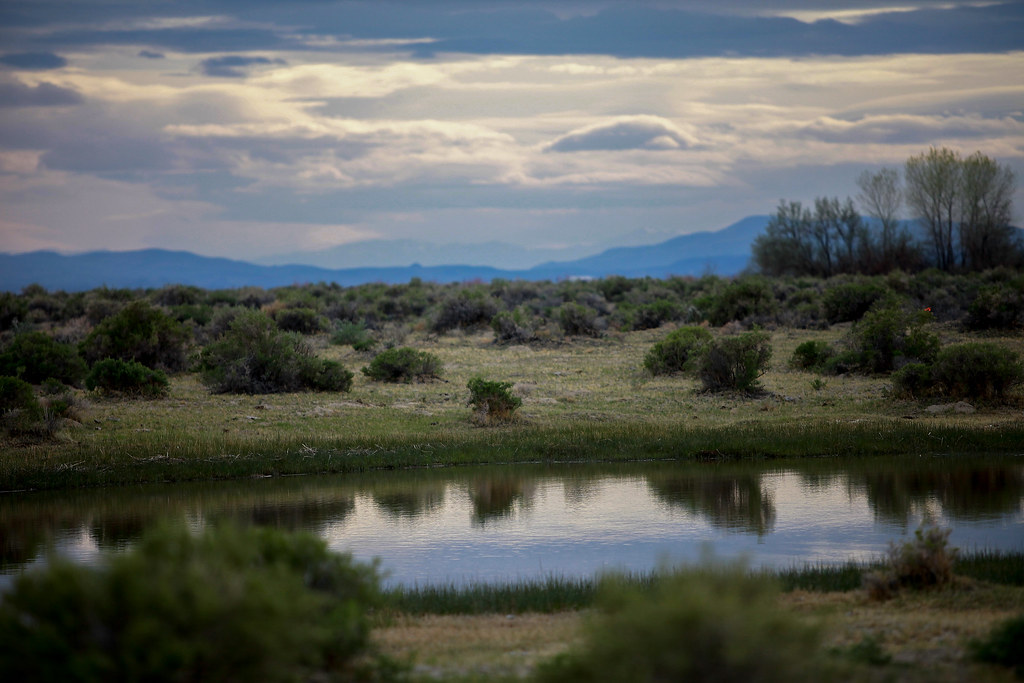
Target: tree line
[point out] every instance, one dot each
(963, 209)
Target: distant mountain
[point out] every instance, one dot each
(725, 252)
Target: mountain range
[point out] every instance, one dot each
(723, 252)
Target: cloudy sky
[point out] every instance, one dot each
(248, 128)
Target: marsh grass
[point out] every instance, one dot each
(588, 400)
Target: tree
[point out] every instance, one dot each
(986, 208)
(881, 197)
(933, 186)
(786, 248)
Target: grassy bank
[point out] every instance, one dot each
(588, 400)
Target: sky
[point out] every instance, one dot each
(255, 128)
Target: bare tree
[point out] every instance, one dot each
(986, 209)
(933, 187)
(881, 197)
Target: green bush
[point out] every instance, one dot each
(116, 376)
(513, 327)
(1004, 645)
(655, 314)
(741, 299)
(888, 336)
(226, 605)
(924, 562)
(578, 320)
(13, 310)
(997, 307)
(35, 357)
(254, 357)
(141, 333)
(465, 310)
(20, 411)
(913, 380)
(736, 363)
(811, 354)
(301, 320)
(403, 364)
(847, 301)
(977, 370)
(492, 401)
(352, 334)
(710, 624)
(678, 352)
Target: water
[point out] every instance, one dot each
(497, 524)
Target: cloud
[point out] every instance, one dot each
(150, 54)
(626, 132)
(232, 66)
(17, 94)
(909, 129)
(33, 61)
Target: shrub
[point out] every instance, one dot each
(513, 327)
(1004, 645)
(578, 320)
(116, 376)
(848, 301)
(888, 336)
(492, 401)
(301, 320)
(140, 333)
(913, 380)
(20, 411)
(736, 362)
(748, 297)
(464, 310)
(654, 314)
(403, 364)
(353, 334)
(677, 352)
(226, 605)
(924, 562)
(13, 310)
(709, 624)
(254, 357)
(811, 354)
(999, 306)
(977, 370)
(35, 357)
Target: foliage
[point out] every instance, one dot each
(13, 309)
(464, 310)
(254, 357)
(116, 376)
(301, 320)
(888, 336)
(403, 364)
(708, 624)
(35, 356)
(926, 561)
(492, 401)
(997, 307)
(352, 334)
(227, 605)
(1004, 645)
(20, 411)
(740, 299)
(578, 320)
(850, 300)
(678, 352)
(513, 327)
(736, 363)
(977, 370)
(141, 333)
(811, 354)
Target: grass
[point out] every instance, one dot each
(585, 400)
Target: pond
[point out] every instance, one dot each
(459, 525)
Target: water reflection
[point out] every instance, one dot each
(728, 501)
(487, 522)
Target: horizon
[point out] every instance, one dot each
(554, 127)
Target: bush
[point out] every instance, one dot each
(578, 320)
(35, 357)
(20, 411)
(254, 357)
(465, 310)
(492, 401)
(913, 380)
(710, 624)
(811, 354)
(924, 562)
(678, 352)
(354, 335)
(227, 605)
(301, 320)
(1004, 646)
(977, 370)
(513, 327)
(140, 333)
(654, 314)
(741, 299)
(403, 365)
(736, 363)
(116, 376)
(887, 337)
(849, 301)
(997, 307)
